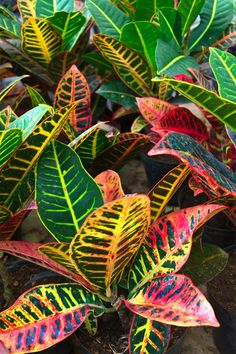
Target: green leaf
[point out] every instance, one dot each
(223, 65)
(69, 25)
(189, 10)
(5, 214)
(148, 336)
(27, 8)
(117, 92)
(15, 188)
(40, 40)
(10, 27)
(170, 62)
(214, 19)
(129, 65)
(47, 8)
(7, 89)
(60, 64)
(142, 36)
(35, 96)
(146, 9)
(9, 142)
(108, 17)
(170, 25)
(219, 107)
(97, 60)
(30, 119)
(7, 116)
(65, 192)
(45, 315)
(109, 238)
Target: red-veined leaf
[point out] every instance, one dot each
(45, 315)
(173, 299)
(110, 185)
(153, 108)
(73, 88)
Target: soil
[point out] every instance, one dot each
(223, 287)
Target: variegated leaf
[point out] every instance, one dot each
(4, 214)
(226, 42)
(162, 192)
(129, 65)
(9, 27)
(73, 88)
(9, 227)
(90, 324)
(47, 8)
(9, 142)
(27, 8)
(110, 185)
(35, 96)
(109, 238)
(29, 251)
(214, 175)
(168, 243)
(8, 88)
(60, 64)
(14, 187)
(148, 336)
(138, 125)
(65, 192)
(153, 108)
(174, 300)
(40, 41)
(45, 315)
(7, 116)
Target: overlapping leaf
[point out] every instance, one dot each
(165, 189)
(9, 142)
(47, 8)
(14, 187)
(129, 65)
(4, 214)
(9, 27)
(45, 315)
(126, 146)
(153, 108)
(7, 115)
(108, 17)
(170, 25)
(226, 42)
(40, 41)
(60, 64)
(168, 244)
(109, 238)
(148, 336)
(35, 96)
(117, 92)
(7, 89)
(65, 192)
(214, 175)
(27, 8)
(147, 9)
(172, 299)
(219, 107)
(189, 11)
(73, 88)
(110, 185)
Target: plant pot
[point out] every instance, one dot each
(224, 305)
(156, 168)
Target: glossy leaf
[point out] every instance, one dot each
(148, 336)
(29, 251)
(45, 315)
(173, 299)
(27, 8)
(9, 142)
(223, 65)
(153, 108)
(170, 25)
(9, 227)
(182, 120)
(40, 41)
(189, 11)
(60, 64)
(215, 16)
(19, 56)
(126, 146)
(10, 27)
(110, 184)
(170, 62)
(14, 189)
(69, 25)
(4, 214)
(65, 192)
(219, 107)
(8, 88)
(129, 65)
(7, 116)
(46, 8)
(138, 125)
(165, 189)
(168, 243)
(127, 6)
(73, 88)
(28, 121)
(108, 17)
(35, 96)
(226, 42)
(213, 174)
(117, 92)
(146, 9)
(142, 37)
(109, 238)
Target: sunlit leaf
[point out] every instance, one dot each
(110, 185)
(9, 142)
(46, 8)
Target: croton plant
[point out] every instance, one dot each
(105, 239)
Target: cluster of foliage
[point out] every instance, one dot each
(115, 250)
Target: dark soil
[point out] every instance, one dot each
(223, 287)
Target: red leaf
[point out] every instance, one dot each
(110, 185)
